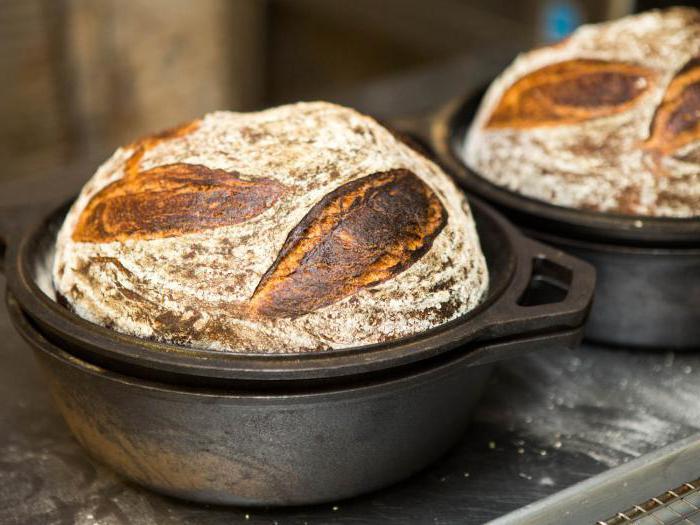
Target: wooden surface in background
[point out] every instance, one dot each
(84, 76)
(32, 131)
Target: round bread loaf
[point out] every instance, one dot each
(606, 120)
(304, 227)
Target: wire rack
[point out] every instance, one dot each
(680, 506)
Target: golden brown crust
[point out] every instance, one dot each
(676, 121)
(173, 200)
(630, 148)
(357, 236)
(569, 92)
(195, 289)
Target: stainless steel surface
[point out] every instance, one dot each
(675, 506)
(650, 489)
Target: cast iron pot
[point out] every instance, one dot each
(287, 429)
(648, 285)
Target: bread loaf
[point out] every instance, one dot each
(300, 228)
(607, 120)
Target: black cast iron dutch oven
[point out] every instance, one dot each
(286, 429)
(648, 268)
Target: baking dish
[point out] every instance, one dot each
(648, 285)
(287, 429)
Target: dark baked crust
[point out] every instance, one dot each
(569, 92)
(676, 121)
(359, 235)
(173, 199)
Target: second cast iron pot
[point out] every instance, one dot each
(648, 268)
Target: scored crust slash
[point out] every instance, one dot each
(174, 199)
(359, 235)
(676, 122)
(571, 91)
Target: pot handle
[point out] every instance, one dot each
(551, 291)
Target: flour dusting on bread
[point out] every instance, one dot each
(300, 228)
(607, 120)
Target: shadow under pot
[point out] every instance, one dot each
(648, 285)
(288, 429)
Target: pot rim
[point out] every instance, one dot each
(386, 386)
(498, 316)
(612, 248)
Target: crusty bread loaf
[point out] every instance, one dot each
(304, 227)
(606, 120)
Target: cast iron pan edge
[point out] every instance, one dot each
(29, 332)
(502, 317)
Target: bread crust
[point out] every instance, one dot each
(301, 228)
(606, 120)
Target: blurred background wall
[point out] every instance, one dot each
(80, 77)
